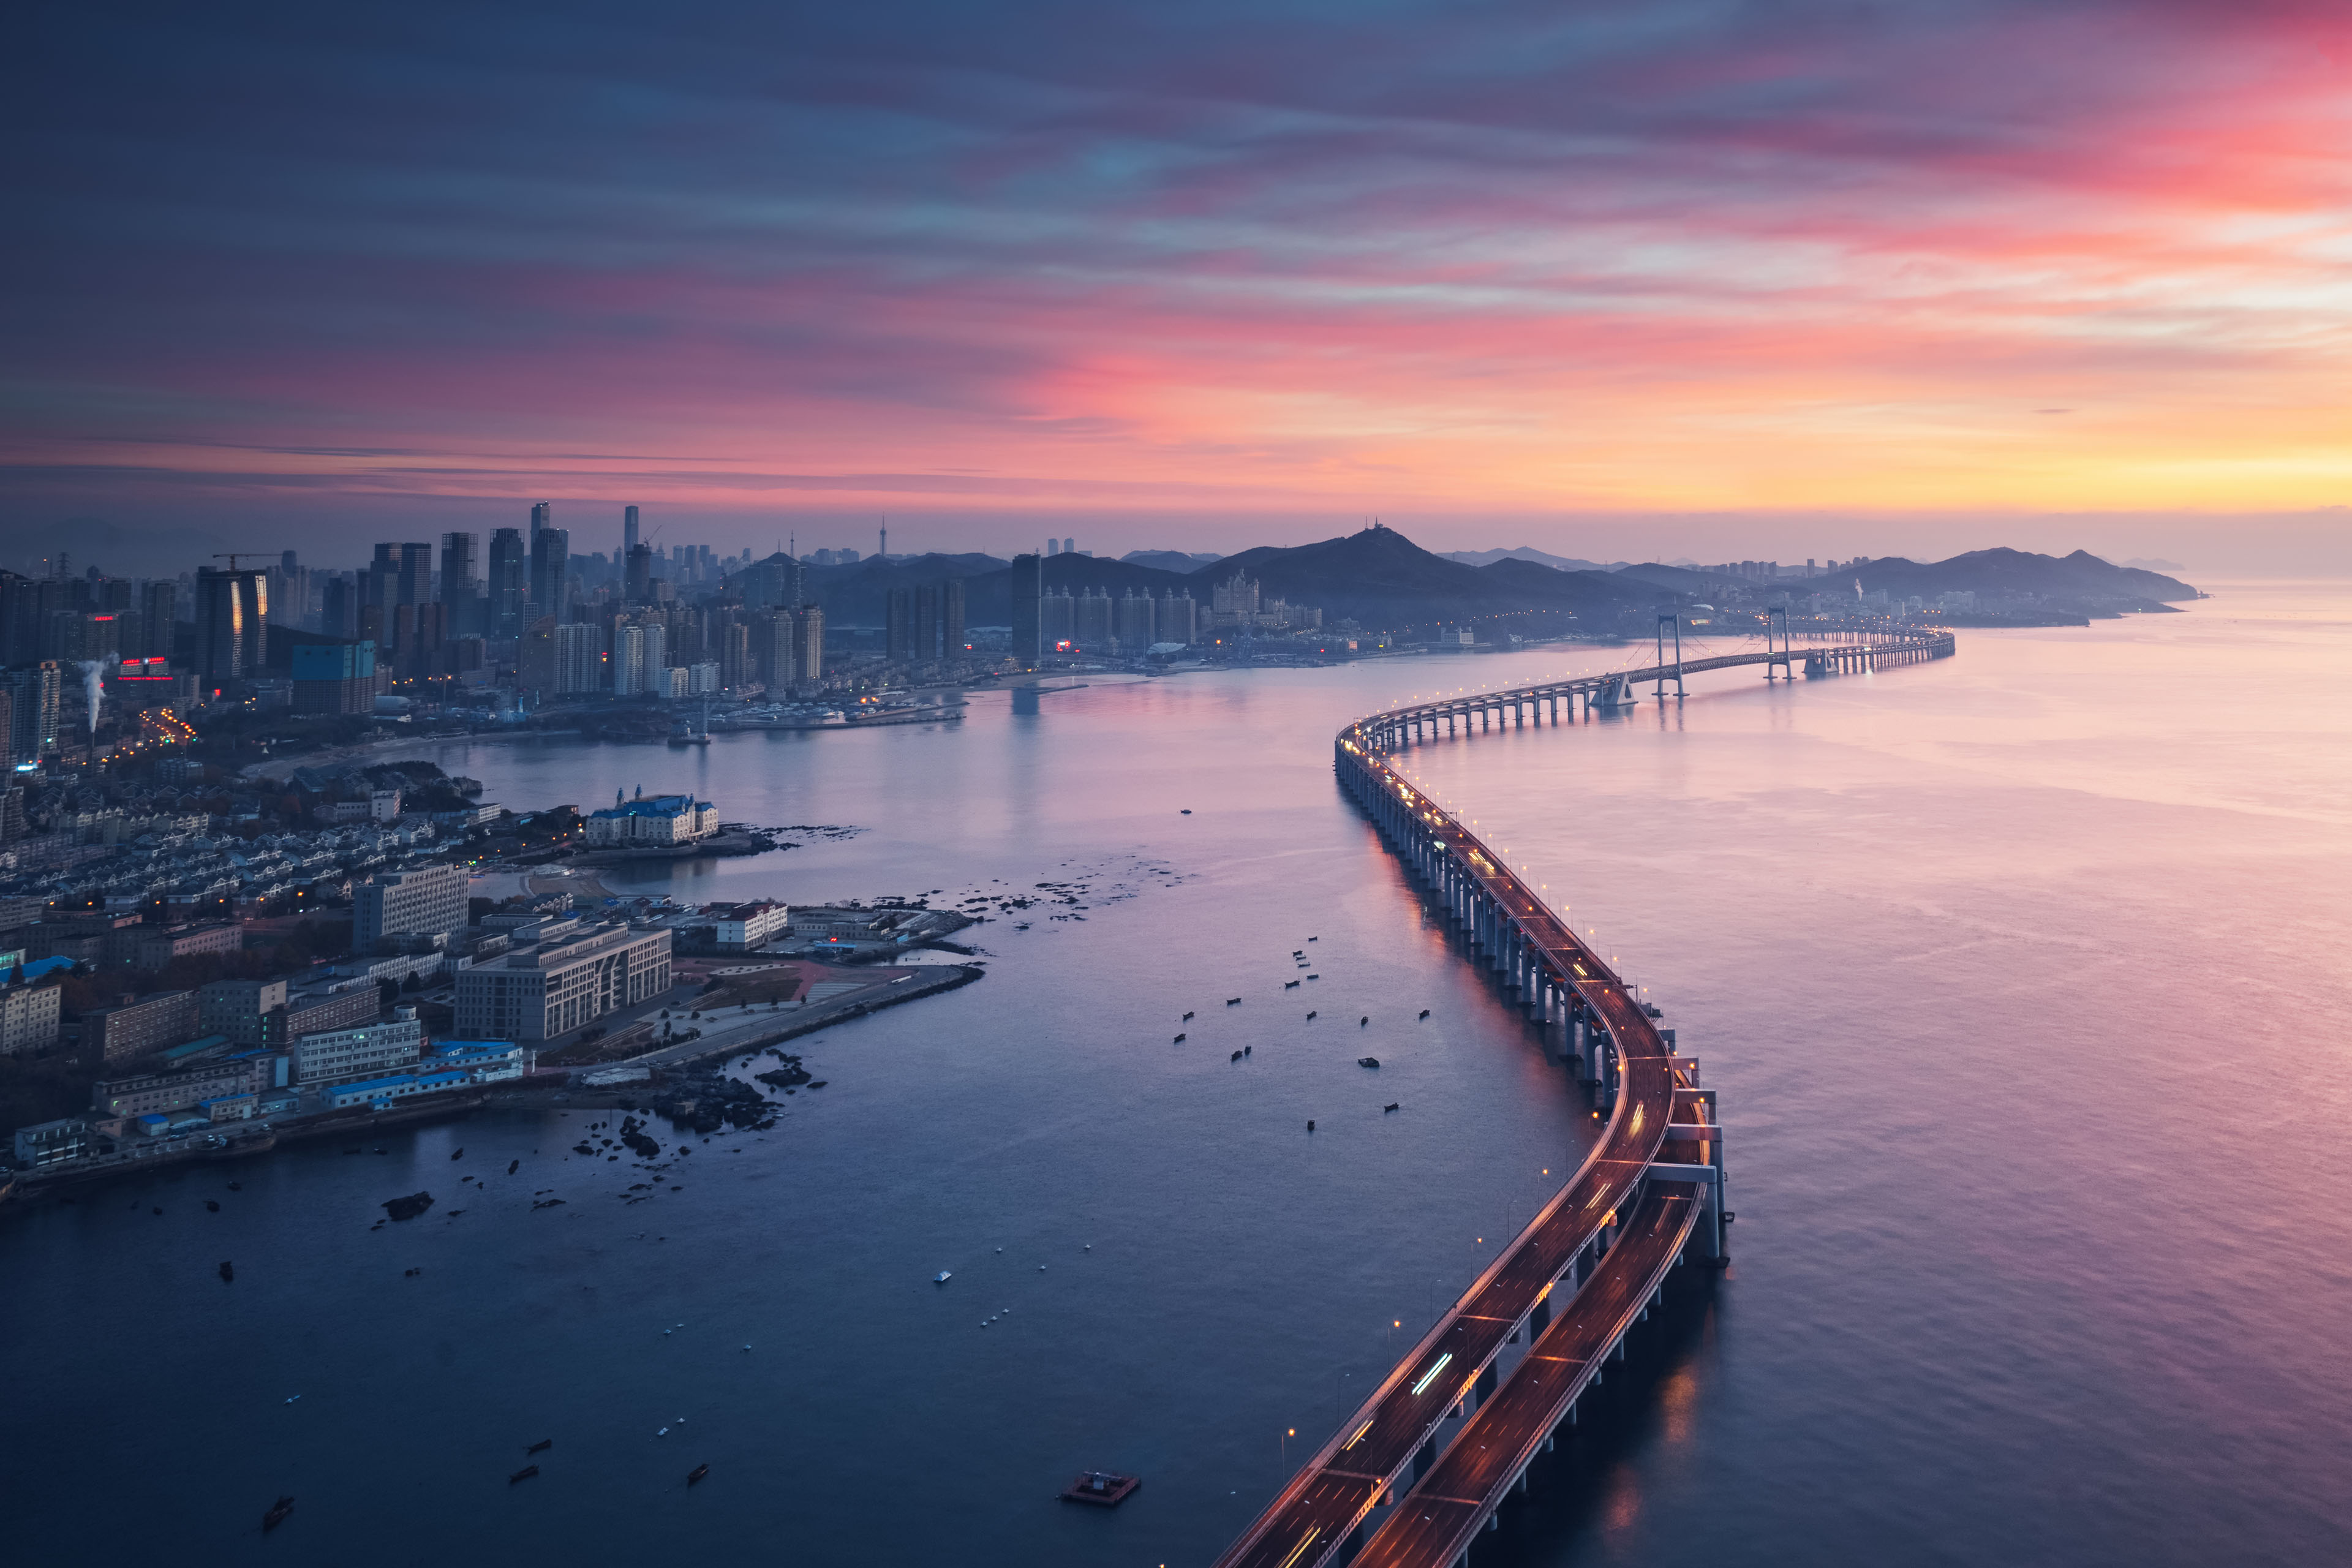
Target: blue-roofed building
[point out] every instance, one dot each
(651, 822)
(384, 1090)
(484, 1061)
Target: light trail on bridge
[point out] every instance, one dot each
(1604, 1242)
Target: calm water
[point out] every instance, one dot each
(2022, 975)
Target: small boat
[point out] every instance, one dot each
(1368, 1061)
(697, 1473)
(1310, 1017)
(1176, 1041)
(228, 1273)
(457, 1154)
(1392, 1105)
(1290, 985)
(1233, 1001)
(277, 1512)
(1237, 1056)
(1424, 1012)
(212, 1206)
(1185, 1019)
(541, 1447)
(941, 1278)
(1310, 1127)
(522, 1475)
(1367, 1018)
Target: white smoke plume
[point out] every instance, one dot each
(91, 670)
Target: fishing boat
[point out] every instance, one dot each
(941, 1278)
(277, 1512)
(1104, 1488)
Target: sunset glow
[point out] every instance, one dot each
(1525, 258)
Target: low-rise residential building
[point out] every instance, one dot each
(161, 1093)
(556, 987)
(28, 1018)
(367, 1051)
(315, 1013)
(742, 927)
(248, 1012)
(655, 822)
(159, 948)
(228, 1107)
(383, 1090)
(141, 1027)
(46, 1142)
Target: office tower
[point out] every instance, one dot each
(159, 618)
(550, 570)
(1069, 547)
(232, 626)
(415, 585)
(1028, 588)
(543, 515)
(1053, 547)
(628, 531)
(637, 582)
(20, 618)
(461, 582)
(507, 584)
(381, 583)
(338, 607)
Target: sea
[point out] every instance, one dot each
(2025, 979)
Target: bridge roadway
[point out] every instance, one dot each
(1875, 648)
(1313, 1516)
(1613, 1272)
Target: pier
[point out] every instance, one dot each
(1594, 1260)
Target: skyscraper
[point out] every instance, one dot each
(628, 531)
(508, 585)
(637, 579)
(158, 618)
(461, 582)
(415, 583)
(232, 626)
(543, 515)
(551, 567)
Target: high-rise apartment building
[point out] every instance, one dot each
(1136, 621)
(637, 575)
(1177, 620)
(159, 613)
(424, 903)
(579, 658)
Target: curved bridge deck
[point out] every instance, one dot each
(1592, 1261)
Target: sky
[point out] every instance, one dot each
(1696, 276)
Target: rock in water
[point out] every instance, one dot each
(227, 1272)
(409, 1207)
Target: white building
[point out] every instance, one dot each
(483, 1061)
(369, 1050)
(427, 901)
(550, 990)
(28, 1018)
(658, 821)
(381, 1090)
(579, 658)
(742, 927)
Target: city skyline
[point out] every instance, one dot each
(1563, 276)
